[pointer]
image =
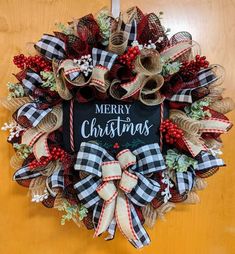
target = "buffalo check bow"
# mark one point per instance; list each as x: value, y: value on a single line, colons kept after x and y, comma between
x: 112, y: 187
x: 206, y: 161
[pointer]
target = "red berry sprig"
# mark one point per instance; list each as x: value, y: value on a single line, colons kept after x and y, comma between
x: 129, y: 56
x: 38, y: 63
x: 189, y: 69
x: 171, y: 131
x: 116, y: 146
x: 55, y: 154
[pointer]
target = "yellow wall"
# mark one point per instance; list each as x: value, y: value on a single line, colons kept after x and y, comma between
x: 208, y: 228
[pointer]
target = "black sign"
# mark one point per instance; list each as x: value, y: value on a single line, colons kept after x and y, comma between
x: 110, y: 123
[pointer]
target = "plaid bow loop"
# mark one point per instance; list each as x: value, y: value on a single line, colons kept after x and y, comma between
x: 51, y: 47
x: 206, y: 162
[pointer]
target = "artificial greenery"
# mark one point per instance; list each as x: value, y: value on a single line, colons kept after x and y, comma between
x: 48, y: 80
x: 179, y: 162
x: 23, y: 150
x: 104, y: 23
x: 15, y: 90
x: 134, y: 143
x: 169, y: 68
x: 196, y: 110
x: 65, y: 29
x: 76, y: 212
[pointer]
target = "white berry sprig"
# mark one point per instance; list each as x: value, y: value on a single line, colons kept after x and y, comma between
x: 85, y: 64
x: 14, y: 129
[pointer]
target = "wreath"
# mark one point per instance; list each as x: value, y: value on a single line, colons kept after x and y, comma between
x: 113, y: 122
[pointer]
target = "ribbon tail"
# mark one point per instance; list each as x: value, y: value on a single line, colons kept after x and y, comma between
x: 215, y: 125
x: 194, y: 148
x: 177, y: 50
x: 106, y: 217
x: 41, y: 148
x: 128, y: 222
x: 111, y: 229
x: 30, y: 136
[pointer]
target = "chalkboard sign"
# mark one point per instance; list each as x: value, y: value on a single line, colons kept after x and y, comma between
x: 130, y: 125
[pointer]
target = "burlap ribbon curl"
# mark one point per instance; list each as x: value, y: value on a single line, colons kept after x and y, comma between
x: 193, y: 129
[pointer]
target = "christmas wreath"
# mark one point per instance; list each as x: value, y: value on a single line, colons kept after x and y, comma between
x: 113, y: 122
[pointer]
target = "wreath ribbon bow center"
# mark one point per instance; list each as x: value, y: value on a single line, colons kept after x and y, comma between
x: 113, y: 187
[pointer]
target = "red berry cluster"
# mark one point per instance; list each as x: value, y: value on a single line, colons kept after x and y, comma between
x: 38, y: 63
x: 56, y: 153
x: 129, y: 56
x: 116, y: 146
x: 171, y: 131
x: 189, y: 69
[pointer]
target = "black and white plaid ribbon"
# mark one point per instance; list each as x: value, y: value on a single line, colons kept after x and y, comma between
x: 51, y: 47
x: 148, y: 160
x: 185, y: 180
x: 104, y: 58
x: 55, y: 180
x: 206, y: 161
x: 205, y: 78
x: 32, y: 113
x: 31, y: 81
x: 131, y: 30
x: 25, y: 173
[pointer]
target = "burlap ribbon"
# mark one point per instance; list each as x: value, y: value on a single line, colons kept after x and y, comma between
x: 118, y: 42
x: 61, y: 87
x: 126, y: 90
x: 37, y: 137
x: 114, y: 201
x: 194, y: 129
x: 71, y: 72
x: 223, y: 106
x: 99, y: 80
x: 14, y: 103
x: 179, y: 49
x: 148, y: 62
x: 149, y: 92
